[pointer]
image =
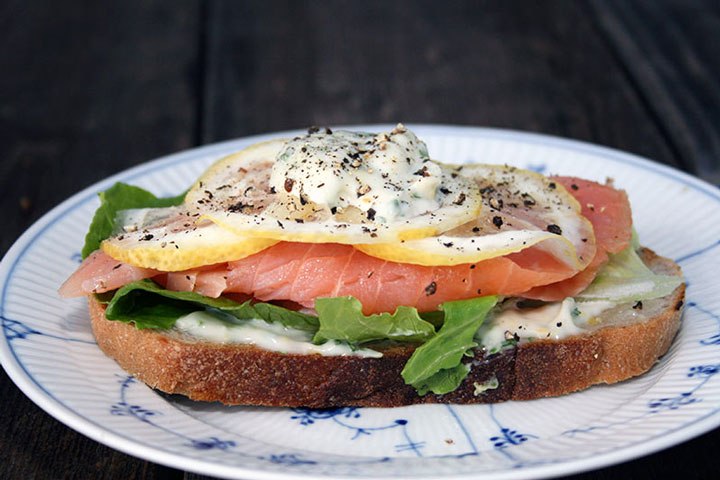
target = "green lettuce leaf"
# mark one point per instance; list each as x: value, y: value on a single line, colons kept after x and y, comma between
x: 149, y: 305
x: 625, y: 278
x: 120, y: 196
x: 436, y: 365
x: 341, y: 318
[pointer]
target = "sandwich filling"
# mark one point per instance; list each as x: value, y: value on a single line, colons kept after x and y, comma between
x: 334, y: 243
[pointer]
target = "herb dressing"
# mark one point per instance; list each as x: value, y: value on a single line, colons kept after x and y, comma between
x: 386, y: 176
x: 219, y: 328
x: 553, y: 321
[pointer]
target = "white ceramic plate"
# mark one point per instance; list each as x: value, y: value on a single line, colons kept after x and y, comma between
x: 48, y: 350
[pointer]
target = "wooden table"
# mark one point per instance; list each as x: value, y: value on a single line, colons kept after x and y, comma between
x: 88, y: 90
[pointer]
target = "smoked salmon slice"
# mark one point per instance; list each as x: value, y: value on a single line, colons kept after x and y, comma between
x: 302, y: 272
x: 608, y: 209
x: 100, y: 273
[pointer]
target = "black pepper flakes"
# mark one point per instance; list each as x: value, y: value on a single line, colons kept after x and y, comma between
x: 638, y: 305
x: 497, y: 221
x: 238, y: 207
x: 371, y: 214
x: 528, y: 200
x: 149, y: 236
x: 496, y: 203
x: 431, y: 289
x: 552, y: 228
x: 423, y: 172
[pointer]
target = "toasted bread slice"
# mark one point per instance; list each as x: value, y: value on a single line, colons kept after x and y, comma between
x: 623, y: 346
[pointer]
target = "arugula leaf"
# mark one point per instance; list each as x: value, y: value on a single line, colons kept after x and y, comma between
x: 149, y: 305
x: 435, y: 366
x: 120, y: 196
x: 341, y: 318
x: 274, y: 313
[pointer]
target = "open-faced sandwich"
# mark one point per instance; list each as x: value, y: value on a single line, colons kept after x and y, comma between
x: 341, y: 268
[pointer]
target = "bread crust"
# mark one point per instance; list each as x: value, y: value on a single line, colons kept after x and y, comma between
x: 247, y: 375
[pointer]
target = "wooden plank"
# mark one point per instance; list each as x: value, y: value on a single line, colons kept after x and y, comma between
x: 94, y: 89
x: 538, y: 66
x: 672, y: 53
x: 87, y: 89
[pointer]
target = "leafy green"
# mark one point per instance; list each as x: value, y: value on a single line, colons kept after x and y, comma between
x: 274, y: 313
x: 341, y: 318
x: 120, y: 196
x: 149, y: 305
x: 626, y: 278
x: 444, y: 381
x: 436, y: 365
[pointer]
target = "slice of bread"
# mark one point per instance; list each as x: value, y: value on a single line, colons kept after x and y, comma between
x: 626, y: 344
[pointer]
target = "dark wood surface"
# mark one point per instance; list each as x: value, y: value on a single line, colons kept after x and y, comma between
x: 90, y: 88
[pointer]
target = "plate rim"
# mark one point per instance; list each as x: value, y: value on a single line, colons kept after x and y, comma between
x: 71, y: 418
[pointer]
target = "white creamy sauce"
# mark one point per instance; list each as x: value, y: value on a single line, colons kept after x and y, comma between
x: 490, y: 384
x: 386, y: 176
x: 270, y: 336
x: 553, y: 321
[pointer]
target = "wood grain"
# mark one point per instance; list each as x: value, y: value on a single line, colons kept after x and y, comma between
x: 275, y: 65
x: 94, y: 89
x: 672, y: 63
